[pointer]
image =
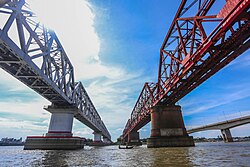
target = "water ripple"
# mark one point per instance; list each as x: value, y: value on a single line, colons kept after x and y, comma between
x: 204, y: 154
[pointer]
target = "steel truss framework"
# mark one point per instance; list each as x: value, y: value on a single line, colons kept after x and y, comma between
x: 197, y: 45
x: 35, y: 56
x: 140, y: 115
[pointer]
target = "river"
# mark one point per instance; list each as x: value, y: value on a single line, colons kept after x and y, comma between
x: 203, y: 154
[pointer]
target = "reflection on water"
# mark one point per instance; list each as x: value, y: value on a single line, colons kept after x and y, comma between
x: 204, y: 154
x: 169, y: 157
x: 50, y: 158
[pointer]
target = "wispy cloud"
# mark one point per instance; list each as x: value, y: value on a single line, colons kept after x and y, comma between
x: 230, y: 93
x: 115, y: 98
x: 11, y: 127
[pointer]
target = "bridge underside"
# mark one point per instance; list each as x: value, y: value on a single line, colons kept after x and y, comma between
x: 19, y: 65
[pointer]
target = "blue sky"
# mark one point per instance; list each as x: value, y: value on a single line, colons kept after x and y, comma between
x: 114, y: 47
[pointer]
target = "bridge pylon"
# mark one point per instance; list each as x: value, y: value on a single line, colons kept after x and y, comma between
x: 167, y: 128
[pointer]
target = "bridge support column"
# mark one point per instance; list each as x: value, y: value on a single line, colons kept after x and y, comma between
x: 105, y: 140
x: 124, y: 140
x: 134, y: 138
x: 98, y: 140
x: 226, y: 135
x: 97, y: 137
x: 59, y: 136
x: 167, y: 128
x: 60, y: 124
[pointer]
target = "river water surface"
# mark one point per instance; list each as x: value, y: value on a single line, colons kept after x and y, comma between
x: 203, y: 154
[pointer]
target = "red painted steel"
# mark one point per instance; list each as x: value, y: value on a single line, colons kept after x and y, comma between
x: 197, y: 45
x: 140, y: 115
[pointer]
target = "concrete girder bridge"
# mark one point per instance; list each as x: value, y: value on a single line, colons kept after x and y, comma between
x: 223, y: 126
x: 35, y: 56
x: 203, y: 38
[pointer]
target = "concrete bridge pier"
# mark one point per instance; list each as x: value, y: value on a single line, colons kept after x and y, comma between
x: 98, y: 140
x: 60, y: 124
x: 105, y: 140
x: 134, y: 138
x: 124, y: 140
x: 59, y: 136
x: 97, y: 137
x: 226, y: 135
x: 167, y: 128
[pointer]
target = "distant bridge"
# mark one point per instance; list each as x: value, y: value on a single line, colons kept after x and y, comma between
x: 224, y: 126
x: 34, y: 55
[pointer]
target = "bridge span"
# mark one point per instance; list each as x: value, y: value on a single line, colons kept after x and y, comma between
x: 35, y: 56
x: 224, y: 126
x: 202, y: 39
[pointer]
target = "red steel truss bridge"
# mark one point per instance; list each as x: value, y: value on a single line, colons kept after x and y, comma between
x: 200, y: 41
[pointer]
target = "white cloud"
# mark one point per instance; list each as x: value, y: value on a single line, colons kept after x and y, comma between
x: 114, y: 99
x: 84, y: 132
x: 74, y: 25
x: 20, y: 119
x: 25, y: 125
x: 30, y: 109
x: 12, y: 127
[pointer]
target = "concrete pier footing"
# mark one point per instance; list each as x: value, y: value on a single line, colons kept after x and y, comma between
x: 53, y: 143
x: 167, y: 128
x: 59, y: 136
